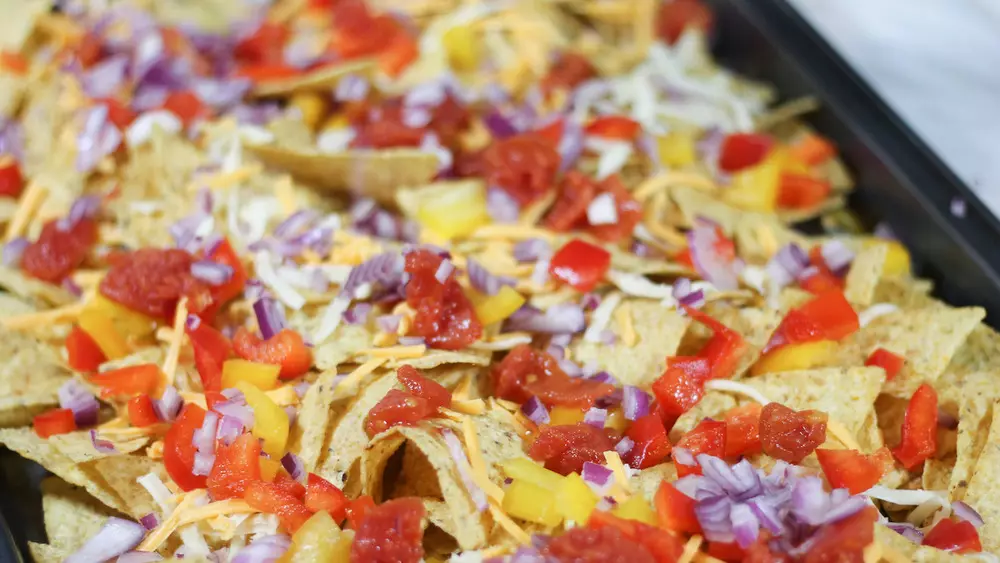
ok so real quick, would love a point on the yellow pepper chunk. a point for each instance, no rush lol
(616, 420)
(495, 308)
(795, 357)
(312, 106)
(897, 258)
(756, 188)
(559, 416)
(462, 47)
(526, 470)
(336, 121)
(261, 376)
(636, 508)
(530, 502)
(270, 422)
(269, 468)
(576, 500)
(677, 149)
(320, 540)
(101, 313)
(455, 210)
(105, 334)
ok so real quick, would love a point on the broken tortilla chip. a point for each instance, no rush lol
(322, 79)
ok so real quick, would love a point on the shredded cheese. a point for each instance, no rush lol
(479, 474)
(508, 343)
(737, 387)
(355, 376)
(196, 398)
(519, 535)
(284, 291)
(238, 176)
(841, 433)
(174, 351)
(160, 534)
(892, 556)
(461, 392)
(533, 214)
(395, 352)
(284, 396)
(221, 508)
(44, 319)
(875, 311)
(31, 200)
(625, 327)
(285, 194)
(601, 316)
(614, 463)
(667, 180)
(706, 558)
(472, 406)
(690, 549)
(512, 232)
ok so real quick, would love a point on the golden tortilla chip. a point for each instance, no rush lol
(323, 79)
(630, 263)
(754, 325)
(30, 289)
(19, 17)
(121, 473)
(316, 412)
(213, 16)
(30, 377)
(341, 346)
(647, 481)
(46, 553)
(71, 515)
(832, 203)
(435, 358)
(906, 550)
(980, 352)
(78, 447)
(864, 275)
(759, 236)
(905, 293)
(937, 473)
(983, 493)
(975, 416)
(694, 203)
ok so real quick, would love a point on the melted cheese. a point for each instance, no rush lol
(479, 474)
(395, 352)
(625, 327)
(614, 463)
(238, 176)
(31, 200)
(44, 319)
(174, 351)
(690, 549)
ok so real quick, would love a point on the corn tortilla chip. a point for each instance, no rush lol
(864, 275)
(647, 481)
(18, 22)
(78, 447)
(31, 289)
(30, 378)
(71, 515)
(120, 474)
(980, 352)
(984, 487)
(438, 358)
(46, 553)
(316, 412)
(975, 416)
(910, 551)
(905, 293)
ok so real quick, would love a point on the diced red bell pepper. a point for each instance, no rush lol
(286, 349)
(844, 540)
(682, 385)
(675, 510)
(236, 467)
(553, 131)
(615, 127)
(791, 435)
(11, 181)
(324, 495)
(119, 114)
(580, 264)
(812, 150)
(708, 437)
(82, 352)
(211, 349)
(743, 150)
(178, 449)
(820, 282)
(886, 360)
(357, 509)
(724, 350)
(265, 45)
(401, 50)
(55, 421)
(853, 470)
(743, 430)
(676, 16)
(827, 316)
(272, 499)
(918, 436)
(226, 292)
(186, 105)
(141, 412)
(285, 482)
(955, 537)
(128, 381)
(436, 394)
(13, 62)
(663, 545)
(801, 191)
(650, 442)
(729, 552)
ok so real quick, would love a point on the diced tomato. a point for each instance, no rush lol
(886, 360)
(285, 482)
(236, 467)
(564, 449)
(128, 381)
(391, 533)
(729, 552)
(209, 370)
(141, 412)
(11, 181)
(13, 62)
(675, 510)
(853, 470)
(357, 509)
(801, 191)
(821, 282)
(444, 315)
(356, 32)
(628, 209)
(152, 281)
(55, 421)
(58, 252)
(791, 435)
(178, 450)
(397, 408)
(553, 132)
(523, 165)
(286, 349)
(418, 385)
(615, 127)
(226, 292)
(269, 71)
(399, 53)
(844, 540)
(827, 316)
(119, 114)
(743, 430)
(676, 16)
(813, 150)
(576, 191)
(558, 389)
(955, 537)
(650, 442)
(83, 354)
(449, 120)
(596, 545)
(724, 350)
(663, 546)
(526, 372)
(271, 499)
(918, 436)
(743, 150)
(708, 437)
(186, 105)
(569, 71)
(265, 46)
(388, 131)
(324, 495)
(580, 264)
(682, 385)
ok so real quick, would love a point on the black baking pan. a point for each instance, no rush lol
(900, 181)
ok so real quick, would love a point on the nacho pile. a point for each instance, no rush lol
(337, 281)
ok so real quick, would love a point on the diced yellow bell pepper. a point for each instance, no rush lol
(495, 308)
(270, 422)
(456, 210)
(269, 468)
(524, 469)
(576, 500)
(677, 149)
(463, 47)
(320, 540)
(262, 376)
(791, 164)
(795, 357)
(756, 188)
(616, 420)
(636, 508)
(105, 334)
(129, 323)
(336, 121)
(897, 258)
(530, 502)
(560, 416)
(312, 106)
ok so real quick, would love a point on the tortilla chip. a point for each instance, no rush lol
(30, 377)
(754, 325)
(647, 481)
(864, 275)
(832, 203)
(316, 412)
(45, 553)
(374, 173)
(628, 262)
(18, 21)
(212, 16)
(30, 289)
(694, 203)
(937, 473)
(975, 415)
(659, 331)
(909, 551)
(984, 487)
(905, 293)
(120, 474)
(435, 358)
(78, 447)
(323, 79)
(71, 515)
(759, 236)
(341, 346)
(980, 352)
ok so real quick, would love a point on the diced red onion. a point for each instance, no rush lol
(430, 143)
(711, 265)
(444, 271)
(74, 396)
(808, 273)
(501, 206)
(426, 94)
(292, 413)
(384, 270)
(411, 340)
(243, 414)
(746, 526)
(294, 466)
(500, 127)
(98, 138)
(837, 256)
(598, 476)
(388, 323)
(13, 250)
(907, 530)
(211, 272)
(570, 367)
(105, 78)
(649, 146)
(530, 250)
(535, 411)
(220, 93)
(270, 318)
(540, 274)
(192, 322)
(683, 456)
(558, 319)
(946, 420)
(169, 404)
(556, 351)
(884, 231)
(71, 286)
(301, 388)
(766, 514)
(603, 377)
(695, 299)
(351, 88)
(590, 301)
(203, 438)
(561, 339)
(603, 210)
(102, 446)
(149, 521)
(139, 557)
(296, 222)
(230, 428)
(595, 417)
(11, 138)
(115, 538)
(635, 402)
(483, 281)
(608, 337)
(416, 117)
(85, 207)
(263, 550)
(624, 446)
(965, 512)
(358, 314)
(462, 463)
(571, 144)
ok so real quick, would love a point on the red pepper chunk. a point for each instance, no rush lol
(418, 385)
(526, 372)
(616, 127)
(226, 292)
(53, 422)
(264, 46)
(955, 537)
(119, 114)
(662, 545)
(827, 316)
(844, 540)
(128, 381)
(444, 315)
(675, 510)
(682, 385)
(650, 442)
(724, 350)
(11, 181)
(524, 166)
(886, 360)
(708, 437)
(285, 349)
(801, 191)
(236, 466)
(152, 280)
(58, 252)
(576, 191)
(272, 499)
(569, 71)
(918, 436)
(604, 544)
(211, 348)
(141, 412)
(565, 448)
(791, 435)
(580, 265)
(186, 105)
(324, 495)
(357, 509)
(285, 482)
(821, 282)
(675, 17)
(743, 150)
(178, 450)
(853, 470)
(83, 354)
(390, 533)
(743, 430)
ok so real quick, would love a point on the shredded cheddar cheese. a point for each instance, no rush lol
(512, 232)
(160, 534)
(238, 176)
(284, 396)
(892, 556)
(174, 351)
(395, 352)
(31, 200)
(479, 474)
(355, 376)
(623, 315)
(44, 319)
(461, 392)
(873, 553)
(285, 194)
(614, 463)
(737, 387)
(509, 525)
(690, 549)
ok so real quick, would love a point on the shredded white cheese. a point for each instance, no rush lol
(603, 210)
(601, 317)
(639, 286)
(331, 319)
(737, 387)
(140, 131)
(282, 289)
(156, 489)
(875, 311)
